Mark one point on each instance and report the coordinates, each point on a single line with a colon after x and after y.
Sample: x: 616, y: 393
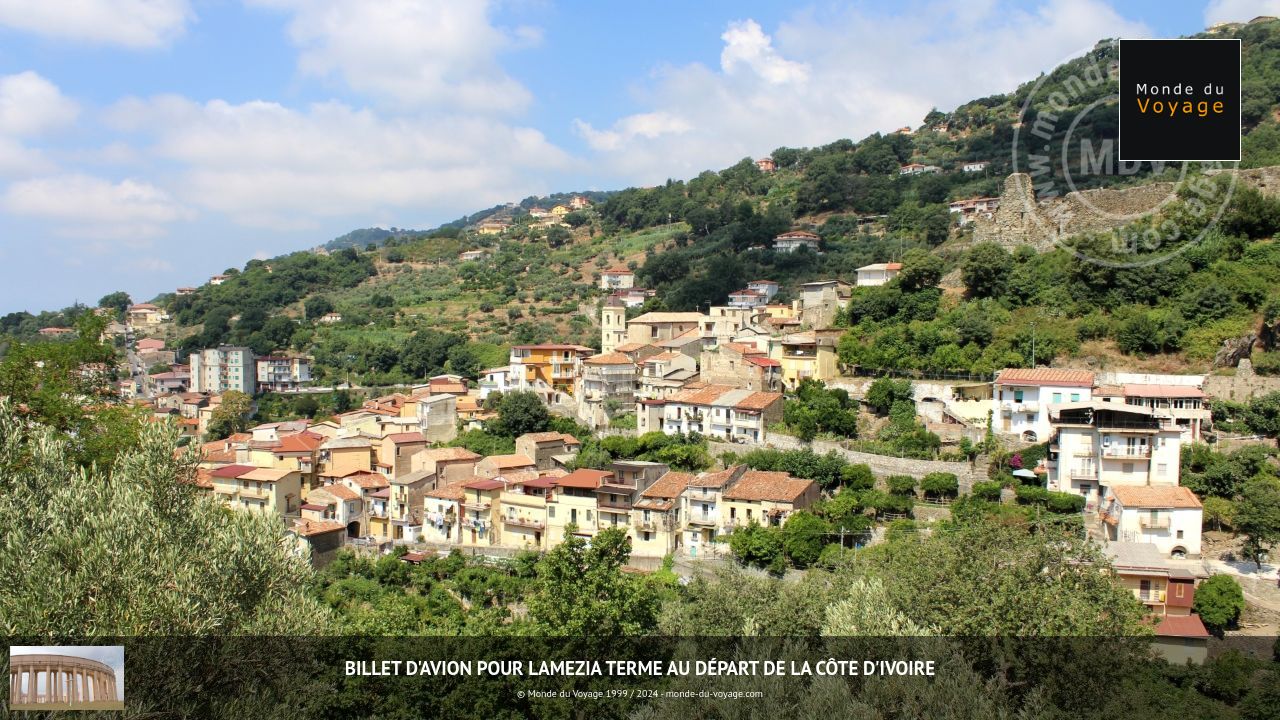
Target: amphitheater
x: 41, y: 681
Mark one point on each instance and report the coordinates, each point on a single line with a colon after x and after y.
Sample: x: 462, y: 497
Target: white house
x: 975, y: 166
x: 495, y: 380
x: 918, y: 169
x: 878, y: 274
x: 767, y: 287
x: 1021, y: 398
x: 617, y: 279
x: 970, y: 208
x: 792, y: 241
x: 1098, y: 445
x: 1167, y: 517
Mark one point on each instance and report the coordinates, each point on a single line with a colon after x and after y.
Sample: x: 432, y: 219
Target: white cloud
x: 266, y: 165
x: 1239, y: 10
x: 420, y: 52
x: 31, y: 105
x: 83, y: 206
x: 823, y: 76
x: 130, y: 23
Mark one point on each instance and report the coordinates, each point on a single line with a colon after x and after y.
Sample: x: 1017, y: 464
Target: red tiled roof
x: 340, y: 491
x: 584, y: 478
x: 805, y: 234
x: 233, y: 471
x: 485, y: 484
x: 308, y: 528
x: 1154, y: 496
x: 758, y: 485
x: 758, y: 401
x: 669, y: 485
x: 452, y: 491
x: 1045, y: 376
x: 716, y: 479
x: 406, y: 437
x: 368, y: 480
x: 447, y: 454
x: 764, y: 362
x: 547, y: 437
x: 613, y: 358
x: 1187, y: 626
x: 315, y: 507
x: 510, y: 461
x: 303, y: 442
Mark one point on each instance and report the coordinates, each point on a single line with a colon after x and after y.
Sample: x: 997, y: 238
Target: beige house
x: 270, y: 490
x: 717, y: 411
x: 656, y: 327
x: 767, y: 498
x: 657, y: 516
x: 617, y: 279
x: 495, y: 465
x: 806, y: 355
x: 573, y: 503
x: 524, y: 512
x: 877, y: 274
x: 1096, y: 445
x: 445, y: 466
x: 547, y: 449
x: 1168, y: 517
x: 664, y: 374
x: 145, y: 315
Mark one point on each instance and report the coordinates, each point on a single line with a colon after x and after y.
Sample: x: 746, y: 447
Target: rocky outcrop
x: 1234, y: 350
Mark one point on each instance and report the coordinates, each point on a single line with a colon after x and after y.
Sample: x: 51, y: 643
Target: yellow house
x: 397, y: 450
x: 344, y: 455
x: 573, y: 502
x: 524, y: 512
x: 805, y: 355
x: 244, y: 487
x: 656, y: 516
x: 480, y: 506
x: 559, y: 211
x: 546, y: 368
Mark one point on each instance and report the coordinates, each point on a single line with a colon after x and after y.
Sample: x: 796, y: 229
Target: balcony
x: 477, y: 504
x: 1083, y: 474
x: 1160, y: 522
x: 1127, y: 451
x: 1150, y: 596
x: 650, y: 525
x: 603, y: 502
x: 1083, y: 452
x: 524, y: 522
x: 255, y: 494
x: 706, y: 520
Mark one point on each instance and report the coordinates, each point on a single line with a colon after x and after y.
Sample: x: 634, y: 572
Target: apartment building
x: 793, y: 241
x: 1098, y: 445
x: 1021, y: 398
x: 396, y: 450
x: 269, y: 490
x: 664, y: 374
x: 337, y: 503
x: 524, y: 512
x: 702, y: 505
x: 224, y: 368
x: 549, y: 369
x: 277, y: 373
x: 717, y: 411
x: 548, y: 449
x: 617, y: 279
x: 1182, y: 406
x: 1169, y: 517
x: 741, y: 365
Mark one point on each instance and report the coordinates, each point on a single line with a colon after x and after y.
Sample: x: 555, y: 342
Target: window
x: 1126, y: 468
x: 1162, y: 469
x: 1179, y: 534
x: 551, y: 511
x: 733, y: 513
x: 1075, y: 397
x: 1057, y: 397
x: 646, y: 536
x: 1017, y: 396
x: 588, y: 516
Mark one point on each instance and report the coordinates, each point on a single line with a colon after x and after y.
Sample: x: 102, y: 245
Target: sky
x: 112, y: 655
x: 148, y: 144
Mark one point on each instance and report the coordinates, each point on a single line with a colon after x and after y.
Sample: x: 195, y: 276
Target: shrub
x: 901, y: 484
x: 1060, y: 502
x: 857, y: 477
x: 940, y: 483
x: 1219, y: 602
x: 989, y: 491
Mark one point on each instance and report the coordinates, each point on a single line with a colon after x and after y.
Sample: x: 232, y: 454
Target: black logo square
x: 1180, y: 100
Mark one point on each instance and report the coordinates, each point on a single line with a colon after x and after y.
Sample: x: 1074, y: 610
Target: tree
x: 520, y: 412
x: 803, y: 537
x: 317, y: 306
x: 425, y: 352
x: 985, y: 270
x: 940, y: 484
x: 192, y: 567
x: 1219, y: 511
x: 230, y: 417
x: 118, y: 301
x: 464, y: 361
x: 1262, y: 415
x: 755, y: 544
x: 883, y: 393
x: 1219, y: 602
x: 1257, y: 517
x: 920, y: 269
x: 580, y: 589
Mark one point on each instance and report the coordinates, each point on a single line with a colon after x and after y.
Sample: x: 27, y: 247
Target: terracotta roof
x: 150, y: 344
x: 743, y: 348
x: 448, y: 387
x: 584, y: 478
x: 314, y: 507
x: 1045, y: 376
x: 805, y: 234
x: 552, y: 346
x: 763, y: 361
x: 510, y: 461
x: 618, y: 271
x: 367, y: 480
x: 630, y: 347
x: 1162, y: 391
x: 540, y: 481
x: 484, y: 484
x: 758, y: 401
x: 716, y: 479
x: 452, y: 491
x: 233, y: 471
x: 405, y: 437
x: 1154, y: 496
x: 1187, y: 626
x: 203, y: 478
x: 446, y: 454
x: 383, y: 493
x: 759, y: 485
x: 613, y: 358
x: 662, y: 357
x: 547, y: 437
x: 669, y: 485
x: 308, y: 528
x: 303, y: 442
x: 340, y: 491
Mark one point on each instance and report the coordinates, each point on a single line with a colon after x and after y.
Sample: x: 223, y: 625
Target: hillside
x: 695, y: 241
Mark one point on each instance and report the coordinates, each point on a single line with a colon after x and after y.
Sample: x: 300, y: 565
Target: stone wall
x: 1242, y: 386
x: 881, y: 465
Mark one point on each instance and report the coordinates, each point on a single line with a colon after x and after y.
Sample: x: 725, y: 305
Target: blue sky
x: 147, y: 144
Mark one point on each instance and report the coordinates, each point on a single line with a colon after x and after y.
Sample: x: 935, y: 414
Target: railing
x: 1150, y: 596
x: 650, y: 525
x: 1126, y: 451
x: 256, y: 494
x: 525, y: 522
x: 1156, y: 523
x: 703, y: 519
x: 1083, y: 452
x: 476, y: 504
x: 1083, y: 473
x: 604, y: 502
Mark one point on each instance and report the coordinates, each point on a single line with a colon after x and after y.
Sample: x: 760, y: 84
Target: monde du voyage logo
x: 1179, y: 100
